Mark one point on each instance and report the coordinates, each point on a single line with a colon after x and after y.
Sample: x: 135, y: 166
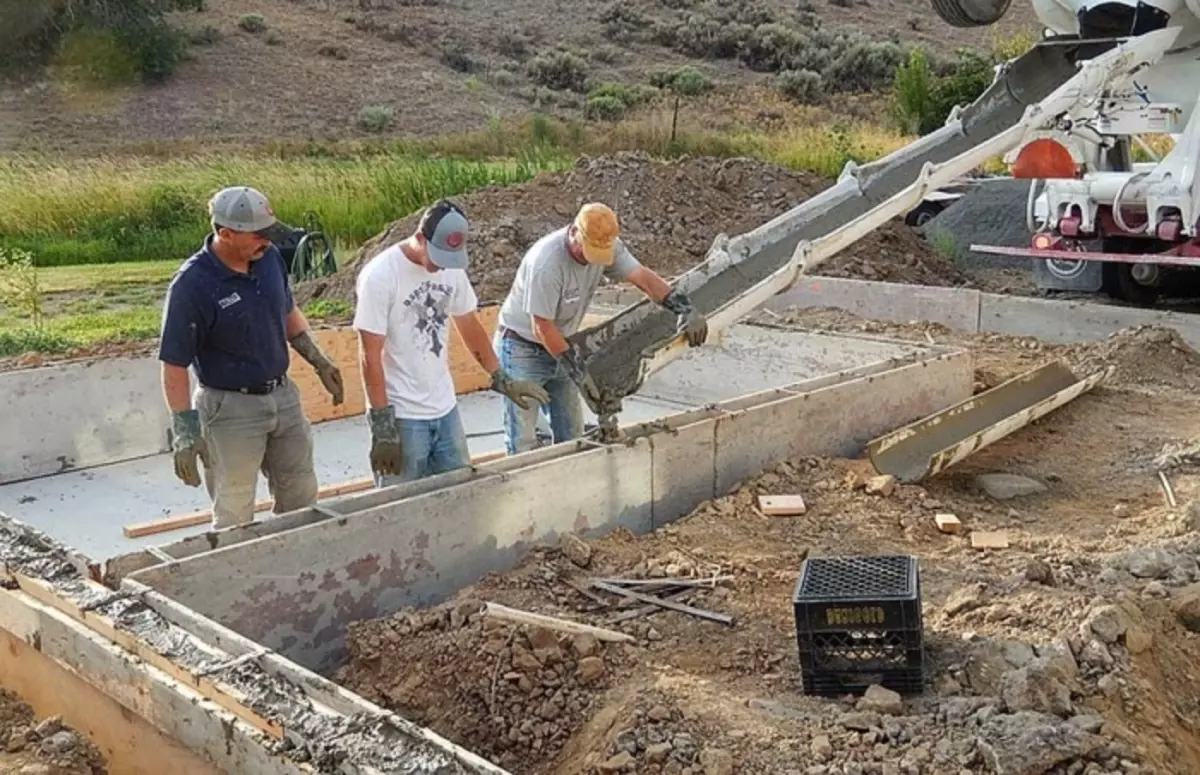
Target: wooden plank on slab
x: 192, y: 519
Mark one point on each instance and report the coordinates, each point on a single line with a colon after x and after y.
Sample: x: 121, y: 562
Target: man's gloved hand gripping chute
x: 690, y: 322
x: 524, y: 394
x: 387, y: 456
x: 572, y: 363
x: 188, y: 446
x: 331, y: 376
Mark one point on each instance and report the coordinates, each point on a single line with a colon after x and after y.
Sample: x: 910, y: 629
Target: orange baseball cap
x: 598, y: 230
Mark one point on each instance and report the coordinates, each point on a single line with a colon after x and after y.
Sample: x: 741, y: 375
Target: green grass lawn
x: 95, y: 303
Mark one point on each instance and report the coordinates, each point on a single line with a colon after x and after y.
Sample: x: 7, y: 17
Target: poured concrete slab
x: 86, y: 509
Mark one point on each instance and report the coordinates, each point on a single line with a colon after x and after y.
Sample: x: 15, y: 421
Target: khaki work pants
x: 246, y: 434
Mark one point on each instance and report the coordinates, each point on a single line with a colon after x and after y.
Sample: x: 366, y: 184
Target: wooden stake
x: 553, y: 623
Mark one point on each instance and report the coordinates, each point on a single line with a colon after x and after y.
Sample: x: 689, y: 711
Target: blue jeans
x: 429, y: 447
x: 528, y: 361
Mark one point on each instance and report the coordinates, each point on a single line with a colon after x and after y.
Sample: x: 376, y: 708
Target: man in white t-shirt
x: 407, y: 295
x: 546, y: 304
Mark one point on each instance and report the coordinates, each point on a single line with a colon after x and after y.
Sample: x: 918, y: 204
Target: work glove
x: 524, y: 394
x: 689, y: 321
x: 386, y: 455
x: 330, y: 374
x: 572, y: 363
x: 188, y: 446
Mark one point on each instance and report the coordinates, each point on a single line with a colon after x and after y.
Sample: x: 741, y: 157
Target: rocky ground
x: 29, y: 746
x: 1072, y: 651
x: 670, y: 213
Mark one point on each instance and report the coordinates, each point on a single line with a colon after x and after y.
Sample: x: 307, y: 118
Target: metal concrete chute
x: 927, y: 447
x: 741, y: 273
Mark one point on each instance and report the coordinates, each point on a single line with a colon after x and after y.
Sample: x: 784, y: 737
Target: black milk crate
x: 858, y: 622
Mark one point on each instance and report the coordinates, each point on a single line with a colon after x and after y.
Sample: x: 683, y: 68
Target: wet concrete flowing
x: 325, y: 740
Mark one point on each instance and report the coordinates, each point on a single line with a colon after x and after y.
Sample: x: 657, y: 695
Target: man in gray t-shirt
x: 546, y: 304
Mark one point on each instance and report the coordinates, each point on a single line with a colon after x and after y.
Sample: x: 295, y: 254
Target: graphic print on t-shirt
x: 430, y: 302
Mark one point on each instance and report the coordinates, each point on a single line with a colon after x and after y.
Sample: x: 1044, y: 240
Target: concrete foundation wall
x: 971, y: 311
x: 296, y: 591
x: 144, y: 722
x: 75, y: 415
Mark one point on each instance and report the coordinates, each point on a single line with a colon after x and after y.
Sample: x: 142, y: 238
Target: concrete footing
x: 197, y: 624
x: 208, y: 656
x: 295, y: 591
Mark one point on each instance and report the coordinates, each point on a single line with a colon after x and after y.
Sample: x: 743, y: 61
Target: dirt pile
x: 895, y: 254
x: 47, y: 747
x: 1057, y: 655
x: 670, y: 213
x: 1149, y: 356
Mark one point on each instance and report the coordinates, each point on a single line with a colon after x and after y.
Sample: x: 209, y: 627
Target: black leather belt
x: 262, y: 389
x: 508, y: 333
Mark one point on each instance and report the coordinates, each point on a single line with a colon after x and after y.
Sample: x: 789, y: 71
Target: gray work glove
x: 188, y: 446
x: 572, y: 363
x: 387, y: 457
x: 524, y: 394
x: 330, y: 374
x: 690, y: 322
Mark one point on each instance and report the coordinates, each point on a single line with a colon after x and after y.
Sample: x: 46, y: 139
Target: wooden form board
x: 128, y: 741
x: 223, y: 695
x: 341, y: 345
x: 181, y: 521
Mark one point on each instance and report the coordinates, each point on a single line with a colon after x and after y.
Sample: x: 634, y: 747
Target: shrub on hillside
x: 458, y: 57
x: 685, y: 80
x: 703, y: 37
x: 208, y: 35
x: 772, y: 48
x: 610, y: 101
x: 623, y: 21
x: 865, y: 66
x: 95, y: 42
x: 253, y: 23
x: 375, y: 118
x: 803, y: 86
x: 560, y: 70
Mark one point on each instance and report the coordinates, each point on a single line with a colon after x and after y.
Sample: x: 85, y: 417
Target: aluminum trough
x: 928, y: 447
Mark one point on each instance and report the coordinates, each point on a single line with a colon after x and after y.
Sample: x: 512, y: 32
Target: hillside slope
x: 449, y: 65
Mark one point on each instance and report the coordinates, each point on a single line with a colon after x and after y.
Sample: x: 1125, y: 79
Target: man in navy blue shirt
x: 230, y: 316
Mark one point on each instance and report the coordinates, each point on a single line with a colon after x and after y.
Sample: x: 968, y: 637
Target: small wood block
x: 782, y: 505
x: 985, y: 539
x: 947, y: 523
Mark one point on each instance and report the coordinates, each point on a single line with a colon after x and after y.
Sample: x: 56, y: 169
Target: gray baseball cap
x: 241, y: 208
x: 444, y: 226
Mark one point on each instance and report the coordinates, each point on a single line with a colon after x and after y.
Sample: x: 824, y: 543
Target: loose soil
x: 670, y: 213
x: 31, y: 746
x: 1070, y: 652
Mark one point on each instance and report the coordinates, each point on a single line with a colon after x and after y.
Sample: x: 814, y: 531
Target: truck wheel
x: 923, y: 214
x: 1120, y: 284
